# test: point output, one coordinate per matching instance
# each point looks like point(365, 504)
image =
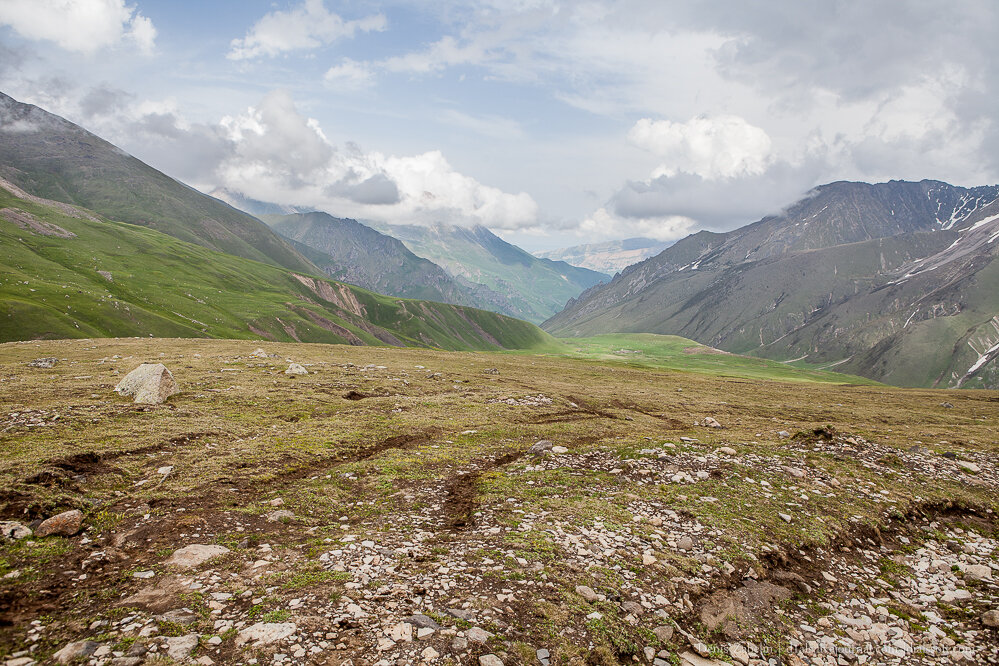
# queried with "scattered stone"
point(280, 516)
point(587, 593)
point(422, 621)
point(490, 660)
point(429, 654)
point(75, 651)
point(296, 369)
point(11, 529)
point(685, 543)
point(48, 362)
point(710, 422)
point(559, 449)
point(182, 616)
point(977, 571)
point(477, 635)
point(491, 371)
point(664, 632)
point(991, 619)
point(66, 523)
point(738, 652)
point(149, 384)
point(970, 466)
point(461, 614)
point(726, 450)
point(179, 648)
point(785, 517)
point(540, 447)
point(265, 633)
point(195, 555)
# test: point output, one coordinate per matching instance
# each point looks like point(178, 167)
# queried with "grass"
point(239, 439)
point(164, 287)
point(670, 352)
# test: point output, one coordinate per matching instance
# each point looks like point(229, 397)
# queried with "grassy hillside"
point(114, 279)
point(352, 252)
point(51, 157)
point(536, 288)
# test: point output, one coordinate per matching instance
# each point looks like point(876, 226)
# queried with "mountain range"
point(609, 256)
point(894, 281)
point(536, 288)
point(94, 243)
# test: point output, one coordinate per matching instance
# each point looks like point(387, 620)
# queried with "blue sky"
point(553, 123)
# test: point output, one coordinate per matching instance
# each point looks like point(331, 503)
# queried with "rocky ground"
point(409, 507)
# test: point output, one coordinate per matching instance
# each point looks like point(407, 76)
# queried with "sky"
point(552, 123)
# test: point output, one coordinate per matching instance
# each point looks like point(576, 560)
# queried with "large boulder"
point(66, 523)
point(150, 384)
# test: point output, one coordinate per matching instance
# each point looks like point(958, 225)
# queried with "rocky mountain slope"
point(51, 157)
point(895, 281)
point(65, 273)
point(352, 252)
point(608, 257)
point(536, 288)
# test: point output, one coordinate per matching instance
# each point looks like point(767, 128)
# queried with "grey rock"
point(296, 369)
point(477, 635)
point(194, 555)
point(11, 529)
point(710, 422)
point(48, 362)
point(149, 384)
point(181, 616)
point(461, 614)
point(587, 593)
point(663, 632)
point(75, 650)
point(490, 660)
point(685, 543)
point(991, 619)
point(179, 648)
point(420, 620)
point(633, 607)
point(540, 447)
point(264, 633)
point(280, 516)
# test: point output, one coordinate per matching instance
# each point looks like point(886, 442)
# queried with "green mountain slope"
point(537, 288)
point(352, 252)
point(66, 274)
point(894, 282)
point(53, 158)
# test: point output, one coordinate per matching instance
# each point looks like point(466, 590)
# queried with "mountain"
point(51, 157)
point(608, 257)
point(254, 207)
point(536, 288)
point(895, 281)
point(66, 273)
point(352, 252)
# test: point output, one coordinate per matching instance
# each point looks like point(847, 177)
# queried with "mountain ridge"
point(809, 284)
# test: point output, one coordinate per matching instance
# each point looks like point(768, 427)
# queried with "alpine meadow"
point(473, 333)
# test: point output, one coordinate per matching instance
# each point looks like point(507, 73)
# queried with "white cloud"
point(723, 146)
point(349, 75)
point(276, 154)
point(605, 224)
point(307, 26)
point(83, 26)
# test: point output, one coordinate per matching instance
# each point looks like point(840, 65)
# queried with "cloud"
point(349, 75)
point(82, 26)
point(276, 154)
point(605, 224)
point(307, 26)
point(723, 146)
